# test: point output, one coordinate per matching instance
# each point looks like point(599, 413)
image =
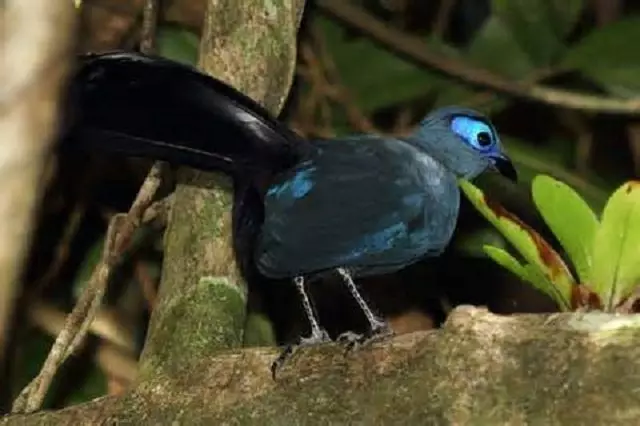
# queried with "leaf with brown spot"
point(582, 297)
point(528, 273)
point(538, 254)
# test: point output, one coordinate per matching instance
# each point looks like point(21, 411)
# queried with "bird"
point(351, 207)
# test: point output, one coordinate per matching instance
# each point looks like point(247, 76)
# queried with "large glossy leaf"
point(616, 247)
point(531, 246)
point(374, 77)
point(570, 219)
point(609, 56)
point(538, 26)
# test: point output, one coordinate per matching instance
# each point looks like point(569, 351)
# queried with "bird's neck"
point(437, 144)
point(431, 147)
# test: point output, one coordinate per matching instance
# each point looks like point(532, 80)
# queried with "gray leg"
point(378, 327)
point(374, 322)
point(318, 334)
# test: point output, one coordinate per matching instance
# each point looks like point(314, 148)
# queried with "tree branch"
point(200, 306)
point(479, 369)
point(415, 50)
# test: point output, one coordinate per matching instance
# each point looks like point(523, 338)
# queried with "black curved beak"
point(504, 166)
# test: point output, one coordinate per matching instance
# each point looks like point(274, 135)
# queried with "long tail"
point(147, 106)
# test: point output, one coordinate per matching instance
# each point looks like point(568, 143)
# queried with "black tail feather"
point(152, 107)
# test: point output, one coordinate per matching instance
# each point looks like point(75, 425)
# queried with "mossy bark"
point(201, 310)
point(480, 369)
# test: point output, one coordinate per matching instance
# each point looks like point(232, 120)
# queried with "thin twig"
point(61, 252)
point(119, 233)
point(149, 18)
point(157, 214)
point(418, 52)
point(147, 284)
point(340, 93)
point(441, 22)
point(109, 324)
point(116, 352)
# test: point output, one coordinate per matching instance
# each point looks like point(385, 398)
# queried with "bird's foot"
point(353, 341)
point(316, 338)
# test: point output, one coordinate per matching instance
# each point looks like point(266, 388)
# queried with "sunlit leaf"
point(542, 282)
point(528, 273)
point(537, 252)
point(538, 26)
point(570, 219)
point(472, 243)
point(504, 259)
point(616, 246)
point(177, 43)
point(609, 56)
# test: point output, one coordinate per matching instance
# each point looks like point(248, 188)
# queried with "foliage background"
point(348, 83)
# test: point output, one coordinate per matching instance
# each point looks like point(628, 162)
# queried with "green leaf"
point(549, 159)
point(504, 259)
point(368, 71)
point(528, 273)
point(487, 51)
point(609, 56)
point(495, 42)
point(177, 43)
point(529, 243)
point(538, 26)
point(472, 243)
point(542, 283)
point(616, 247)
point(570, 219)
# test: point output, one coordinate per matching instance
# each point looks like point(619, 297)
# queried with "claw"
point(354, 341)
point(314, 339)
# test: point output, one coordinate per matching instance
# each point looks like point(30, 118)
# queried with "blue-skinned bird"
point(353, 206)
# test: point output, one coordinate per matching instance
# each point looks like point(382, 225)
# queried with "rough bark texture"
point(201, 306)
point(480, 369)
point(35, 45)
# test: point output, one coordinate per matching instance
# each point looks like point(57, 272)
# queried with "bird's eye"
point(483, 139)
point(476, 133)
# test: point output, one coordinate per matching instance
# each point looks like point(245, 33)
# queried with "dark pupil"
point(484, 139)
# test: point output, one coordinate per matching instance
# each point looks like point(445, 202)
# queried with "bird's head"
point(464, 141)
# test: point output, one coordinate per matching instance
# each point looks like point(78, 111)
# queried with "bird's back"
point(369, 203)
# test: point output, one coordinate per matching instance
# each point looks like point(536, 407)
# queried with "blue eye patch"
point(478, 134)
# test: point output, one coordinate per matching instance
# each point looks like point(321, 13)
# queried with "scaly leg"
point(379, 329)
point(318, 334)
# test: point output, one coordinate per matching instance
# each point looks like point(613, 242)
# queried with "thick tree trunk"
point(480, 369)
point(35, 41)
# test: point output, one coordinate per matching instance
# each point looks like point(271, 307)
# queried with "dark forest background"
point(559, 78)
